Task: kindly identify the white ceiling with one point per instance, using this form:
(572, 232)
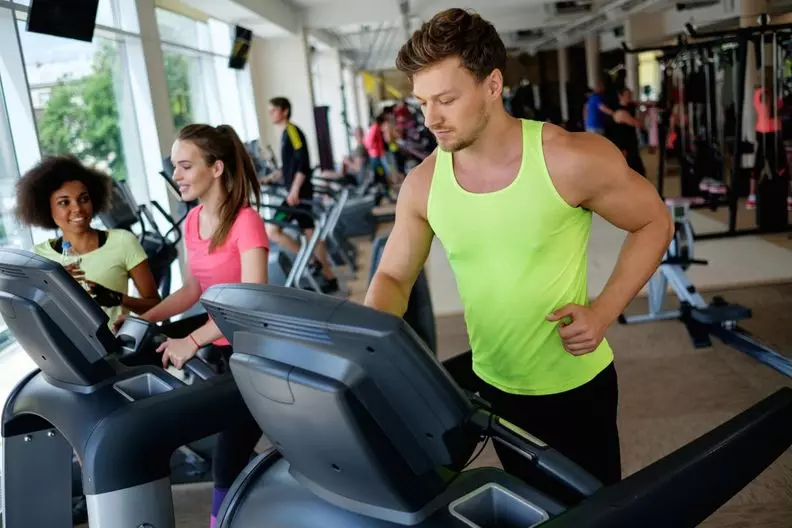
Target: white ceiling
(370, 32)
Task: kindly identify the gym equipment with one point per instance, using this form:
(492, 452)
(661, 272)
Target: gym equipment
(370, 431)
(123, 423)
(292, 270)
(189, 464)
(420, 312)
(689, 72)
(771, 211)
(702, 320)
(161, 249)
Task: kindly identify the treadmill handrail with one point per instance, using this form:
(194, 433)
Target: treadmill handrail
(685, 487)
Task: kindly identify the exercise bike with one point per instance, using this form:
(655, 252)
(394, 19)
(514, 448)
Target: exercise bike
(702, 320)
(123, 423)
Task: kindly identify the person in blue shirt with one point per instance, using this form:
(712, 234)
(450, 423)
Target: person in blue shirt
(595, 111)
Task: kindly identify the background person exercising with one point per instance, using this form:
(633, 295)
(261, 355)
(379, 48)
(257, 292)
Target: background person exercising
(296, 176)
(511, 201)
(624, 131)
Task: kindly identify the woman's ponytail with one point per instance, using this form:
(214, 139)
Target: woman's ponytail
(240, 180)
(244, 175)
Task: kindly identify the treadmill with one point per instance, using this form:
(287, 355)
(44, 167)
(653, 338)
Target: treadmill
(371, 431)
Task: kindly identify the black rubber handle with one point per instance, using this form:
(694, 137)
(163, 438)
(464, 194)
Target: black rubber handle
(542, 455)
(200, 368)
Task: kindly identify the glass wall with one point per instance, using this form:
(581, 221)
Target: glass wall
(201, 86)
(11, 233)
(75, 89)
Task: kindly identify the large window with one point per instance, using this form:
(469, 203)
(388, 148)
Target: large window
(183, 75)
(76, 88)
(201, 86)
(11, 234)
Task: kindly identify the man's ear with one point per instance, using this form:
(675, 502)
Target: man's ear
(495, 83)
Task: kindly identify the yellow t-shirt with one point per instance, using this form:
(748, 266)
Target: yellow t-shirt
(108, 265)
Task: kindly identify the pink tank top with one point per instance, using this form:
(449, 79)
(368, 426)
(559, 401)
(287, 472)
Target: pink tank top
(764, 122)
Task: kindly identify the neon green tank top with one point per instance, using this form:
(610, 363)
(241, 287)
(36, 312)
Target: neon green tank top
(518, 254)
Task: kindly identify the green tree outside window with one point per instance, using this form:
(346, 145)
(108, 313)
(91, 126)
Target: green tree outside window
(81, 116)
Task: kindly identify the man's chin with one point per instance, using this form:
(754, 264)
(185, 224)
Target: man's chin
(453, 146)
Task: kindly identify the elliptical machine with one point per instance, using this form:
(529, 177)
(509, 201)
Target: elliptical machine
(369, 431)
(123, 423)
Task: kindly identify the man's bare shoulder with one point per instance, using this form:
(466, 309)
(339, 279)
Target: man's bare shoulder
(577, 161)
(414, 191)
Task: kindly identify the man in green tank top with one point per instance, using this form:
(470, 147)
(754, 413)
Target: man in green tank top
(511, 202)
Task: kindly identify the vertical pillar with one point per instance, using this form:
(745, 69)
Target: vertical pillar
(353, 101)
(631, 31)
(328, 81)
(592, 60)
(632, 81)
(149, 89)
(362, 95)
(563, 79)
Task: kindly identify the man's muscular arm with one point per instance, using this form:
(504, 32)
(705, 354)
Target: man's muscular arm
(590, 172)
(408, 245)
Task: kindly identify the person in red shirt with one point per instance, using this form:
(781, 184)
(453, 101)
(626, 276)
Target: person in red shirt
(226, 242)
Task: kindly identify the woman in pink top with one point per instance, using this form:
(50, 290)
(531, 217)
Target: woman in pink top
(768, 138)
(226, 243)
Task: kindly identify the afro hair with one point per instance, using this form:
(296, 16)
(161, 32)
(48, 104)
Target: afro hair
(35, 188)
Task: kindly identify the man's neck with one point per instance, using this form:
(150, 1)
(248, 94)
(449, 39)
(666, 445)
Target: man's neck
(492, 145)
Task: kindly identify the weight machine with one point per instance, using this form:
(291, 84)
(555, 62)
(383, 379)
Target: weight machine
(772, 185)
(690, 86)
(693, 64)
(703, 320)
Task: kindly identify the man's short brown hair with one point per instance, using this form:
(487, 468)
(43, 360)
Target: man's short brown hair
(454, 33)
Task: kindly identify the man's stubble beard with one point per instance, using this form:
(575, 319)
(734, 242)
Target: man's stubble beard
(483, 120)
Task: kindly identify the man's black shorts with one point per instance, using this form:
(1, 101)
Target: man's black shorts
(305, 221)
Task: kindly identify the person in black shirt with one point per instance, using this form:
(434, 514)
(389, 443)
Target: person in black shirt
(624, 131)
(295, 174)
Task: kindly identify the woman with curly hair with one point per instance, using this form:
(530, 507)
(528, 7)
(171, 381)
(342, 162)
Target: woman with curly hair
(61, 193)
